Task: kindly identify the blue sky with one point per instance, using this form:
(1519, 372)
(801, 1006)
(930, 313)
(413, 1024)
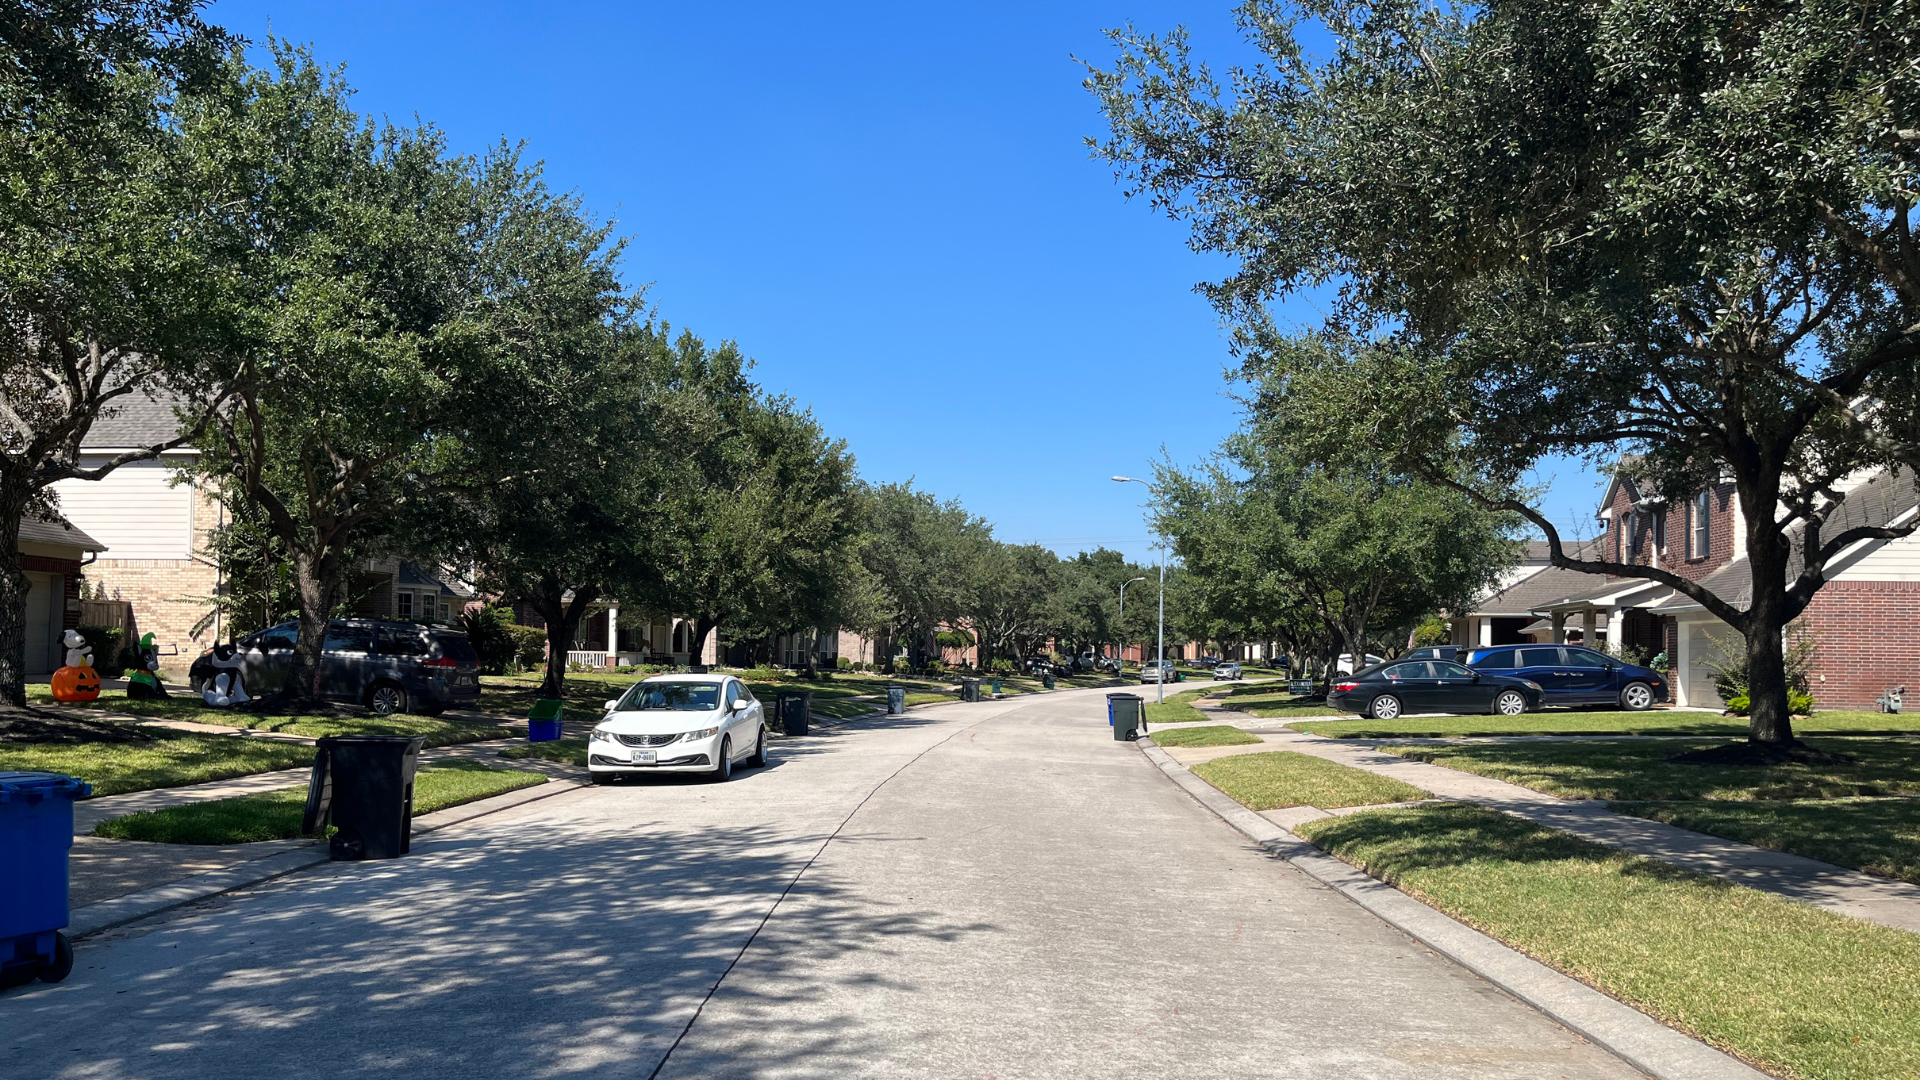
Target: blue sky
(889, 206)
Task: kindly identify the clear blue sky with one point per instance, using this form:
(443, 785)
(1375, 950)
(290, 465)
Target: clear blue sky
(889, 206)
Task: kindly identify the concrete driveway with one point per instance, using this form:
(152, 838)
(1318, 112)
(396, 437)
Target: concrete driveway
(986, 890)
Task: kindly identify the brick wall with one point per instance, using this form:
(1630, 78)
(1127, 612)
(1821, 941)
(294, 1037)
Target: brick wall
(168, 596)
(1677, 524)
(1868, 639)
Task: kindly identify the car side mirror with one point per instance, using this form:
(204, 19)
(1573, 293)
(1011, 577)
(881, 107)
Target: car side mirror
(1476, 676)
(611, 704)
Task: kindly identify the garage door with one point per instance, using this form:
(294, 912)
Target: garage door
(42, 592)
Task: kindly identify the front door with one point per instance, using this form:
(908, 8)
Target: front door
(44, 651)
(1589, 677)
(1456, 689)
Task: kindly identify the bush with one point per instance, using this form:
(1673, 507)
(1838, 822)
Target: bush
(488, 630)
(844, 664)
(1003, 666)
(105, 641)
(935, 667)
(1799, 703)
(529, 645)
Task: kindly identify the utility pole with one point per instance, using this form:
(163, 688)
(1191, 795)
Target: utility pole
(1121, 621)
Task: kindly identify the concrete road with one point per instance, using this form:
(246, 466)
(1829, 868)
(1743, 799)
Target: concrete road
(988, 890)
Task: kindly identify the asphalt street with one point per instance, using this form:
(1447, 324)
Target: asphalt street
(984, 890)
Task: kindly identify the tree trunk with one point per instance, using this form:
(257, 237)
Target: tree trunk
(314, 578)
(563, 622)
(697, 648)
(13, 598)
(1770, 720)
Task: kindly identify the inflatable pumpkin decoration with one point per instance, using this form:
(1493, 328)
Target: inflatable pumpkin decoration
(77, 681)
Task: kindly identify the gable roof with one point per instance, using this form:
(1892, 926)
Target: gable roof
(131, 421)
(1544, 587)
(58, 531)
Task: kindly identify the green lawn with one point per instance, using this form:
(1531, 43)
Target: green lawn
(1177, 709)
(1207, 735)
(564, 751)
(1803, 992)
(168, 759)
(438, 732)
(1880, 836)
(1613, 722)
(1636, 770)
(1284, 778)
(1268, 701)
(275, 815)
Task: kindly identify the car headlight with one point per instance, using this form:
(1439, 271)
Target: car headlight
(603, 735)
(703, 733)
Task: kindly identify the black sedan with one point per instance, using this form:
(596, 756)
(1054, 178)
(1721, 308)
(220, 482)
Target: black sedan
(1398, 687)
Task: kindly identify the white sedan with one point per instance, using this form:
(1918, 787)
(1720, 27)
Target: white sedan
(678, 723)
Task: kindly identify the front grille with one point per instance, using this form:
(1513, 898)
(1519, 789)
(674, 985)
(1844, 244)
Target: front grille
(647, 740)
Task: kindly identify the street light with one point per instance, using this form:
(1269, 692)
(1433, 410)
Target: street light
(1160, 673)
(1122, 658)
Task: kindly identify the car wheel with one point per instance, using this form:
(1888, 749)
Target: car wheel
(1385, 707)
(602, 779)
(723, 771)
(1636, 697)
(1510, 703)
(62, 965)
(387, 699)
(759, 758)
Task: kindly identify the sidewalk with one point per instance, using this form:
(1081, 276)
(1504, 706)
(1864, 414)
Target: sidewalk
(1835, 888)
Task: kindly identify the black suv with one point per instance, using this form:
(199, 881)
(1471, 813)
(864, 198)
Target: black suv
(388, 666)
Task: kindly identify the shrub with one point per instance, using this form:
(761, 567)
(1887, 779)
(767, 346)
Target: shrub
(105, 641)
(1003, 666)
(489, 631)
(529, 645)
(844, 664)
(1799, 703)
(935, 667)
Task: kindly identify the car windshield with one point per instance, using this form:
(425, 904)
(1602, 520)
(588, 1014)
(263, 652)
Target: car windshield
(677, 696)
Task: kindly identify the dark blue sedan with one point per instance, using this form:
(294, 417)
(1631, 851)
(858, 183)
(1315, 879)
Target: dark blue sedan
(1572, 676)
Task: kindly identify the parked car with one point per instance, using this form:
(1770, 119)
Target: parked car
(678, 723)
(1228, 671)
(1571, 675)
(1387, 691)
(1436, 652)
(1345, 665)
(1109, 664)
(1160, 671)
(387, 665)
(1040, 665)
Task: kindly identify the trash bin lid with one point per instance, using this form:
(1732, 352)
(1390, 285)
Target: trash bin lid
(34, 786)
(377, 740)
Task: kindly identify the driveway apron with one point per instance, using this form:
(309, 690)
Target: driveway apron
(995, 889)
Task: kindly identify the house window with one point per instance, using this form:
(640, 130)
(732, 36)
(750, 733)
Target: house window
(403, 604)
(1698, 537)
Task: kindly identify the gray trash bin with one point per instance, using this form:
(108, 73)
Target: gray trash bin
(362, 785)
(896, 700)
(1127, 714)
(969, 689)
(795, 708)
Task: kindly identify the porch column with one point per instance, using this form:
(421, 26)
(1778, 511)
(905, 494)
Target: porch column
(1617, 631)
(1559, 627)
(613, 635)
(1486, 632)
(1683, 664)
(1588, 627)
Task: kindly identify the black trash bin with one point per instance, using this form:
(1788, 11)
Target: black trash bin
(1127, 714)
(896, 700)
(362, 785)
(796, 709)
(969, 689)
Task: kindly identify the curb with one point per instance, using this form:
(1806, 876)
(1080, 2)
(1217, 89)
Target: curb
(121, 910)
(1631, 1035)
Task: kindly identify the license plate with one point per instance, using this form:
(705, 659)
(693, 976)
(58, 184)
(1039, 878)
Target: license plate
(463, 680)
(645, 757)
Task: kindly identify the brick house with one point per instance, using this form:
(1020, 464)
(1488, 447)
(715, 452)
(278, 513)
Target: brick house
(1865, 621)
(53, 554)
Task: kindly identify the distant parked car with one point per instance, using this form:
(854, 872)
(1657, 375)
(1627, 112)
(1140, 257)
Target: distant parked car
(1160, 671)
(1228, 671)
(1571, 675)
(386, 665)
(679, 723)
(1436, 652)
(1345, 665)
(1387, 691)
(1040, 665)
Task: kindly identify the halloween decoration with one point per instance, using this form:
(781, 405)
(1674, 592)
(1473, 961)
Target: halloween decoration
(145, 683)
(225, 688)
(76, 681)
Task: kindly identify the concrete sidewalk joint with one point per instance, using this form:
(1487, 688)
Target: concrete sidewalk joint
(1634, 1037)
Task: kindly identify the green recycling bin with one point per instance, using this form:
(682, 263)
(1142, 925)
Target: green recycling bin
(543, 721)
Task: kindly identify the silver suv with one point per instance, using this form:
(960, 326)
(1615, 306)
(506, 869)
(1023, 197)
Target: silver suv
(1160, 671)
(1228, 670)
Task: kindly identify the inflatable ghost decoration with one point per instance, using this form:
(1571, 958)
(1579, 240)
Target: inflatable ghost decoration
(225, 688)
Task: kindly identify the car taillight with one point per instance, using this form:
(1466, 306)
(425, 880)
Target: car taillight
(1344, 686)
(445, 661)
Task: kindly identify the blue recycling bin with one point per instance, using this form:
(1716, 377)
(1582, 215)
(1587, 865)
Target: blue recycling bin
(36, 832)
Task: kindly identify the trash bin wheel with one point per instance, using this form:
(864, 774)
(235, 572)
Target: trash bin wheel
(723, 769)
(347, 844)
(386, 698)
(62, 965)
(759, 758)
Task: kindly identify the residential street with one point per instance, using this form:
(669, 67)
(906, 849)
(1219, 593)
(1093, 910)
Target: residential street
(988, 890)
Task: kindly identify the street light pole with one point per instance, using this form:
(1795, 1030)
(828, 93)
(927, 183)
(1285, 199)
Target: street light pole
(1121, 622)
(1160, 673)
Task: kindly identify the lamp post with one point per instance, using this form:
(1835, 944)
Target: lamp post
(1160, 673)
(1121, 620)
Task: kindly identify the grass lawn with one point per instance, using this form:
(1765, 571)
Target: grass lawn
(1268, 701)
(1209, 735)
(168, 759)
(1803, 992)
(1636, 770)
(275, 815)
(564, 751)
(1610, 722)
(1177, 709)
(1880, 836)
(438, 732)
(1284, 778)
